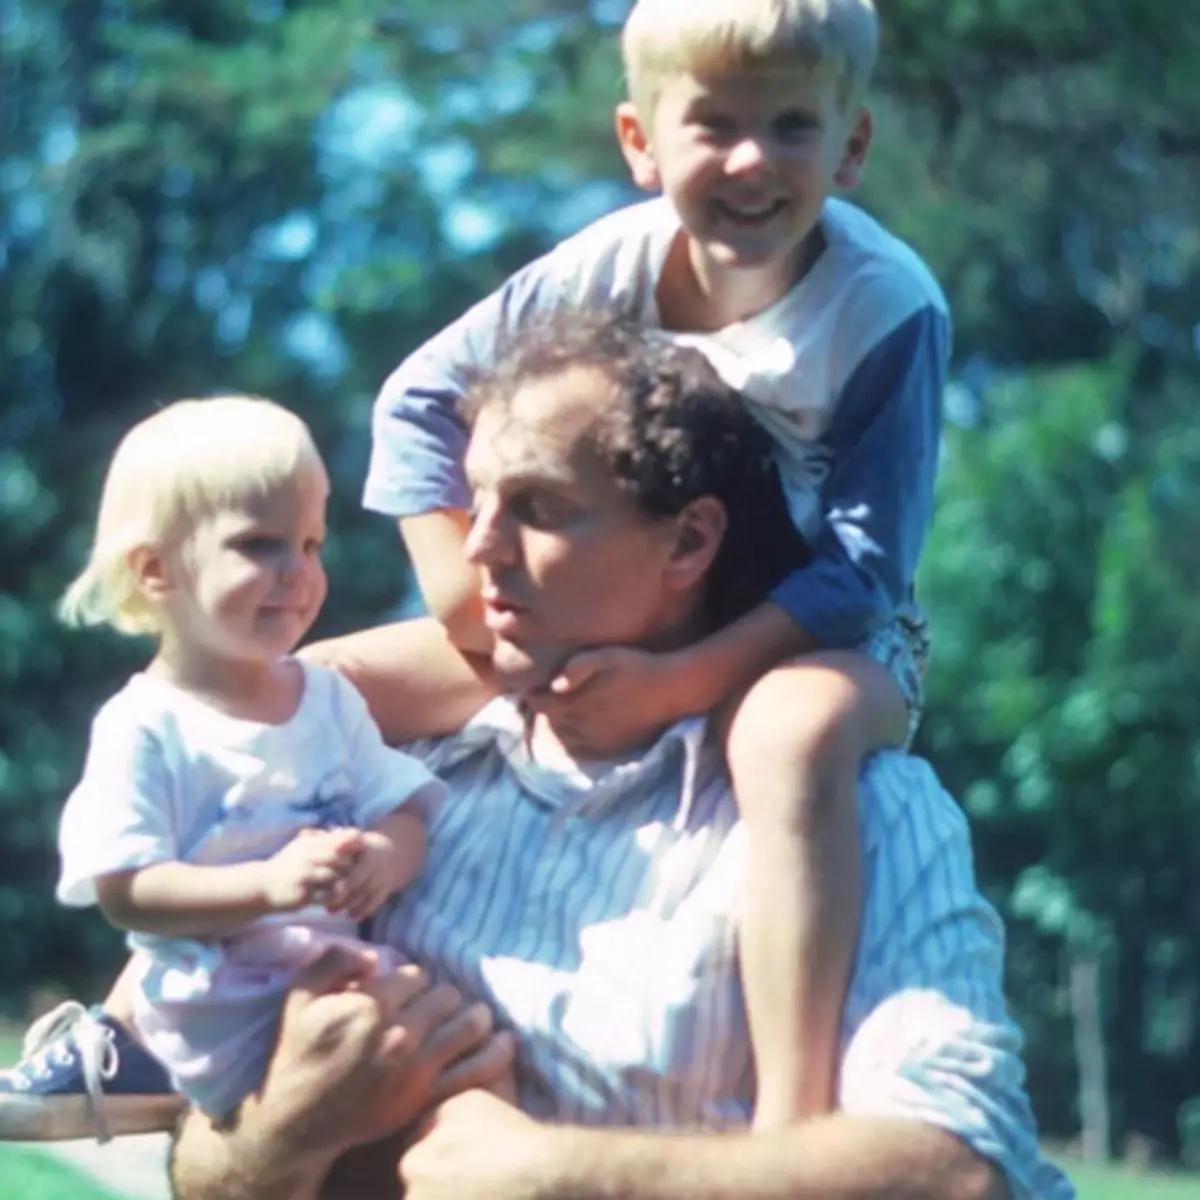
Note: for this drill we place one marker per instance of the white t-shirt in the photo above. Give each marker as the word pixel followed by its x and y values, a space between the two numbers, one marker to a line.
pixel 168 778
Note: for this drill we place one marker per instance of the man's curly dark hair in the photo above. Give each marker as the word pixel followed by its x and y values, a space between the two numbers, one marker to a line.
pixel 674 432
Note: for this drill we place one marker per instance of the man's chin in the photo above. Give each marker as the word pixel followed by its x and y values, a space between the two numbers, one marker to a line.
pixel 521 671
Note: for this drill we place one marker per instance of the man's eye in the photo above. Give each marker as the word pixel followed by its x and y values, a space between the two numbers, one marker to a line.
pixel 539 512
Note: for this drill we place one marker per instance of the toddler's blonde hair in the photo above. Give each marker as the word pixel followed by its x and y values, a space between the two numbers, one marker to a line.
pixel 664 38
pixel 189 460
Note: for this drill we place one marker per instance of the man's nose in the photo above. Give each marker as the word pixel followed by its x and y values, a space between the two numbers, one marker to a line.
pixel 748 156
pixel 488 541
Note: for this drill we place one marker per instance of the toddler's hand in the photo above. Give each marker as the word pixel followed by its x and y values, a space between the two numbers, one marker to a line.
pixel 370 880
pixel 309 866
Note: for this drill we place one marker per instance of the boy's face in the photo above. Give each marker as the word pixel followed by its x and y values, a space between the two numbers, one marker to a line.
pixel 747 159
pixel 247 582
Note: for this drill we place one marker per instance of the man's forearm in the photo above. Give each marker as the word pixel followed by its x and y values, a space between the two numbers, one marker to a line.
pixel 832 1158
pixel 211 1164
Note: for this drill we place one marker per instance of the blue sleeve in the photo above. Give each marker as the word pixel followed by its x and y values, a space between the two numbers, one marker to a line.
pixel 417 437
pixel 878 500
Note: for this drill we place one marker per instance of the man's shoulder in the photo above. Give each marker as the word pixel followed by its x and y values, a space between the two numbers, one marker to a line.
pixel 870 259
pixel 499 725
pixel 902 789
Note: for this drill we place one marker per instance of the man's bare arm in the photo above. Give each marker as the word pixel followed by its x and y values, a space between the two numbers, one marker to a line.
pixel 357 1059
pixel 480 1149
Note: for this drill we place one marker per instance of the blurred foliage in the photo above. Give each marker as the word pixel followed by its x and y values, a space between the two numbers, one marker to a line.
pixel 284 196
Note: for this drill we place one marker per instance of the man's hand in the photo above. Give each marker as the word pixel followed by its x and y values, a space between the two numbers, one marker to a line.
pixel 615 699
pixel 359 1058
pixel 477 1147
pixel 308 867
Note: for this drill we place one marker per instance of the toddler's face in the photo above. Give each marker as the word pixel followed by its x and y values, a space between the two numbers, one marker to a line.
pixel 749 159
pixel 248 580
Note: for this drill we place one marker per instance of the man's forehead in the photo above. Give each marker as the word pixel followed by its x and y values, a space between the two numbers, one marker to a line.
pixel 545 428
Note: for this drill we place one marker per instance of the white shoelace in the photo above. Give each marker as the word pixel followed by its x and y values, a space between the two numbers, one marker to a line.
pixel 48 1044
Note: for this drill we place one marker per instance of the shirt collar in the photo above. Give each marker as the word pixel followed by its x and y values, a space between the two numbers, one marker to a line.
pixel 500 727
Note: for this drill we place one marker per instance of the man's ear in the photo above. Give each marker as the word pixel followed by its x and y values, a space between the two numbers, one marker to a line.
pixel 854 153
pixel 699 529
pixel 149 572
pixel 635 145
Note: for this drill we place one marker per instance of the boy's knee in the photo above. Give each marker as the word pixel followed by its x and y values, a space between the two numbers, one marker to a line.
pixel 798 714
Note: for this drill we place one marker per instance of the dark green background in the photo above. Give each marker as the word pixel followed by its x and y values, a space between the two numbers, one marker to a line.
pixel 286 197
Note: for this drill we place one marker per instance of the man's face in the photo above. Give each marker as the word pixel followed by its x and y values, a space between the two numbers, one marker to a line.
pixel 566 559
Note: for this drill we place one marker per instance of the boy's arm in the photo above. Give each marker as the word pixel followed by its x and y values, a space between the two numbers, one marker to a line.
pixel 175 899
pixel 419 439
pixel 436 543
pixel 878 499
pixel 418 436
pixel 415 681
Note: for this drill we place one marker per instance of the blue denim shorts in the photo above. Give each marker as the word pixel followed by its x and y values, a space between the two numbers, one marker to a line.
pixel 901 644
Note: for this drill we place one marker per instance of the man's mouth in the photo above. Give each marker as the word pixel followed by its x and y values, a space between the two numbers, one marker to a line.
pixel 748 215
pixel 499 613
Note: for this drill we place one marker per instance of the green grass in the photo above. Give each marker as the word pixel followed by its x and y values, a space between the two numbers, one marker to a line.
pixel 1113 1183
pixel 28 1175
pixel 10 1048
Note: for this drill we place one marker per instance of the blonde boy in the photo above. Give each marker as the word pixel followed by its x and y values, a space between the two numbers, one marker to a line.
pixel 747 115
pixel 238 810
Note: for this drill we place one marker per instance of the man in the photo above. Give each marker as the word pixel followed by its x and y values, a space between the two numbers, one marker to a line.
pixel 623 497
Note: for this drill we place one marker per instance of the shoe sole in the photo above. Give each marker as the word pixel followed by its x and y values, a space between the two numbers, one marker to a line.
pixel 63 1118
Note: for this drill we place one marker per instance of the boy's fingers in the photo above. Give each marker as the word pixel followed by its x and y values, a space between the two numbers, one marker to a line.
pixel 578 670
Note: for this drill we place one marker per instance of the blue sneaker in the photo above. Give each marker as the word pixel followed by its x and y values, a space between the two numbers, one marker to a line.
pixel 82 1075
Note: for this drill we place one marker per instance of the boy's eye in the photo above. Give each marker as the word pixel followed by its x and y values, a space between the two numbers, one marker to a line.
pixel 790 126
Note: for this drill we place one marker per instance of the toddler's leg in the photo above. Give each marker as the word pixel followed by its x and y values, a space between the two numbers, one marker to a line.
pixel 119 1001
pixel 794 747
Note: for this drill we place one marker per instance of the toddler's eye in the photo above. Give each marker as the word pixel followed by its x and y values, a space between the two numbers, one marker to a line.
pixel 260 545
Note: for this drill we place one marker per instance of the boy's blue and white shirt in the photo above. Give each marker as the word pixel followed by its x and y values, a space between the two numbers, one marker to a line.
pixel 846 372
pixel 595 913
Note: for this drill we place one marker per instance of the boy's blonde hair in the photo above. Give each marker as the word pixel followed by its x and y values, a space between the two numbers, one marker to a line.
pixel 187 461
pixel 663 38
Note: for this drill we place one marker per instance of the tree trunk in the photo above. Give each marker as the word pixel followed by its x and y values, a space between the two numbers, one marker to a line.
pixel 1084 971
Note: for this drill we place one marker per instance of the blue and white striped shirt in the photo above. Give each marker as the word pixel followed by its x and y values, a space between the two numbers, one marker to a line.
pixel 596 913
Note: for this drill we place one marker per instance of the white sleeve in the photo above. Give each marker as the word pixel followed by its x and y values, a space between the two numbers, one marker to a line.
pixel 930 1037
pixel 382 779
pixel 120 815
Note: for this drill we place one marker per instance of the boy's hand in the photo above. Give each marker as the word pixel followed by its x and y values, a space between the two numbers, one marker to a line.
pixel 311 864
pixel 370 880
pixel 614 699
